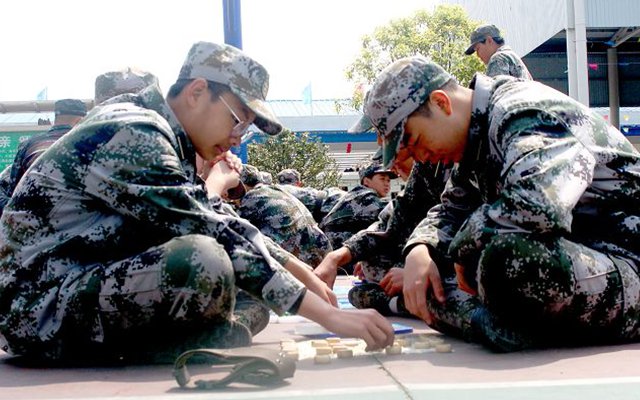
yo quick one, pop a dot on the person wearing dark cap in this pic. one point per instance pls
(515, 255)
(500, 59)
(68, 112)
(111, 238)
(360, 207)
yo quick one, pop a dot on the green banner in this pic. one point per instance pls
(9, 142)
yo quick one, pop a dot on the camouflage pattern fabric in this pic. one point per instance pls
(547, 189)
(5, 187)
(288, 176)
(31, 149)
(115, 83)
(506, 62)
(112, 230)
(318, 202)
(379, 247)
(284, 219)
(358, 209)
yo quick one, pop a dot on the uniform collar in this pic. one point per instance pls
(151, 97)
(482, 88)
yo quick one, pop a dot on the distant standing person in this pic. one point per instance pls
(500, 59)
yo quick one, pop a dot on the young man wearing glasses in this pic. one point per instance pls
(500, 59)
(111, 247)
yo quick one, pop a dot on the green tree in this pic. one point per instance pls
(307, 155)
(442, 35)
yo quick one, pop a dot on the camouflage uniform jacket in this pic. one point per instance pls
(358, 209)
(398, 219)
(121, 182)
(540, 163)
(286, 220)
(506, 62)
(318, 202)
(31, 149)
(5, 187)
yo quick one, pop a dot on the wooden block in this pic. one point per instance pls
(422, 345)
(323, 359)
(345, 353)
(323, 350)
(333, 340)
(319, 343)
(443, 348)
(393, 350)
(294, 355)
(336, 349)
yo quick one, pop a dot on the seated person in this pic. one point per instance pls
(360, 207)
(111, 239)
(283, 218)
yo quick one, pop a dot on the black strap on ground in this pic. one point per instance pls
(252, 365)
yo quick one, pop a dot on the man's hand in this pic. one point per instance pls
(367, 324)
(393, 281)
(421, 275)
(328, 268)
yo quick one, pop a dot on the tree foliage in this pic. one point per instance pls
(307, 155)
(442, 35)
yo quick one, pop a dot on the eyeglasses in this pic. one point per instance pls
(241, 126)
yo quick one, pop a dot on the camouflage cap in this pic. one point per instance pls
(479, 34)
(246, 78)
(398, 91)
(128, 80)
(266, 177)
(288, 176)
(377, 156)
(70, 107)
(374, 168)
(364, 123)
(250, 175)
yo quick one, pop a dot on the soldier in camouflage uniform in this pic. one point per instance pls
(536, 241)
(500, 59)
(318, 202)
(283, 218)
(379, 247)
(111, 246)
(68, 112)
(360, 207)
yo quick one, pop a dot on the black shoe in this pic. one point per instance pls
(223, 335)
(489, 331)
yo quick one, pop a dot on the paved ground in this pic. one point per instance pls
(609, 372)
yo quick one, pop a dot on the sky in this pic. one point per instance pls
(62, 45)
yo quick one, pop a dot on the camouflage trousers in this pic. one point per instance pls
(539, 293)
(153, 306)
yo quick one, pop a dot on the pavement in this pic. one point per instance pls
(469, 371)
